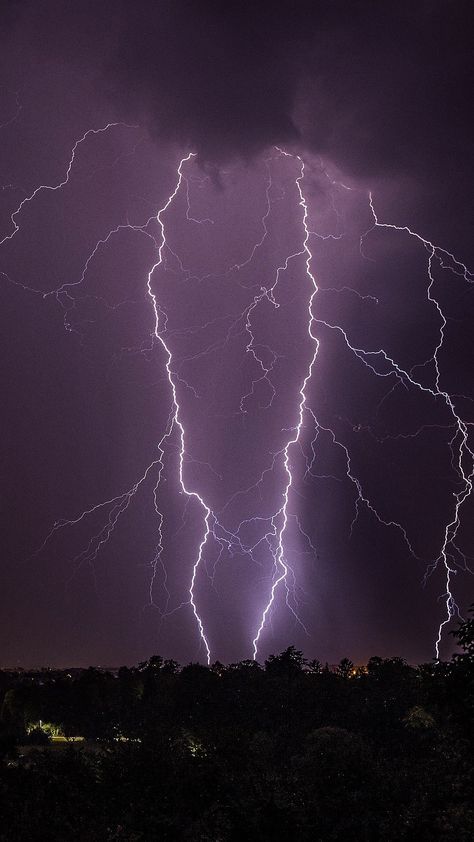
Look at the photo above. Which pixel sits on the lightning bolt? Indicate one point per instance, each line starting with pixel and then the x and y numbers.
pixel 281 565
pixel 54 187
pixel 273 528
pixel 176 413
pixel 117 505
pixel 383 365
pixel 464 455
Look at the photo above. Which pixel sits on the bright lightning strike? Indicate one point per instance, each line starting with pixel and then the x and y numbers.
pixel 281 566
pixel 176 418
pixel 273 527
pixel 465 456
pixel 462 454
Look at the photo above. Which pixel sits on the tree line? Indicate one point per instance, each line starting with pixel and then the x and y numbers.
pixel 290 750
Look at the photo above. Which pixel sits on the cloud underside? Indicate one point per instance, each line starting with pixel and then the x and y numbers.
pixel 379 87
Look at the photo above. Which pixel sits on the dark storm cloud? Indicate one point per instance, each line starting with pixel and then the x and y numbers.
pixel 380 87
pixel 377 86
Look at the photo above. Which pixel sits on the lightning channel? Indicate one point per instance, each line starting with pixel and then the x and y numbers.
pixel 280 520
pixel 464 457
pixel 176 412
pixel 273 527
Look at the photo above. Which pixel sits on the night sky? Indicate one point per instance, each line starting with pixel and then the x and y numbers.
pixel 314 137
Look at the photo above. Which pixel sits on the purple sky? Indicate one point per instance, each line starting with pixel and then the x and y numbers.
pixel 373 99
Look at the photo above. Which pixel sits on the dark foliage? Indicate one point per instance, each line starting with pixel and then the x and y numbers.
pixel 291 750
